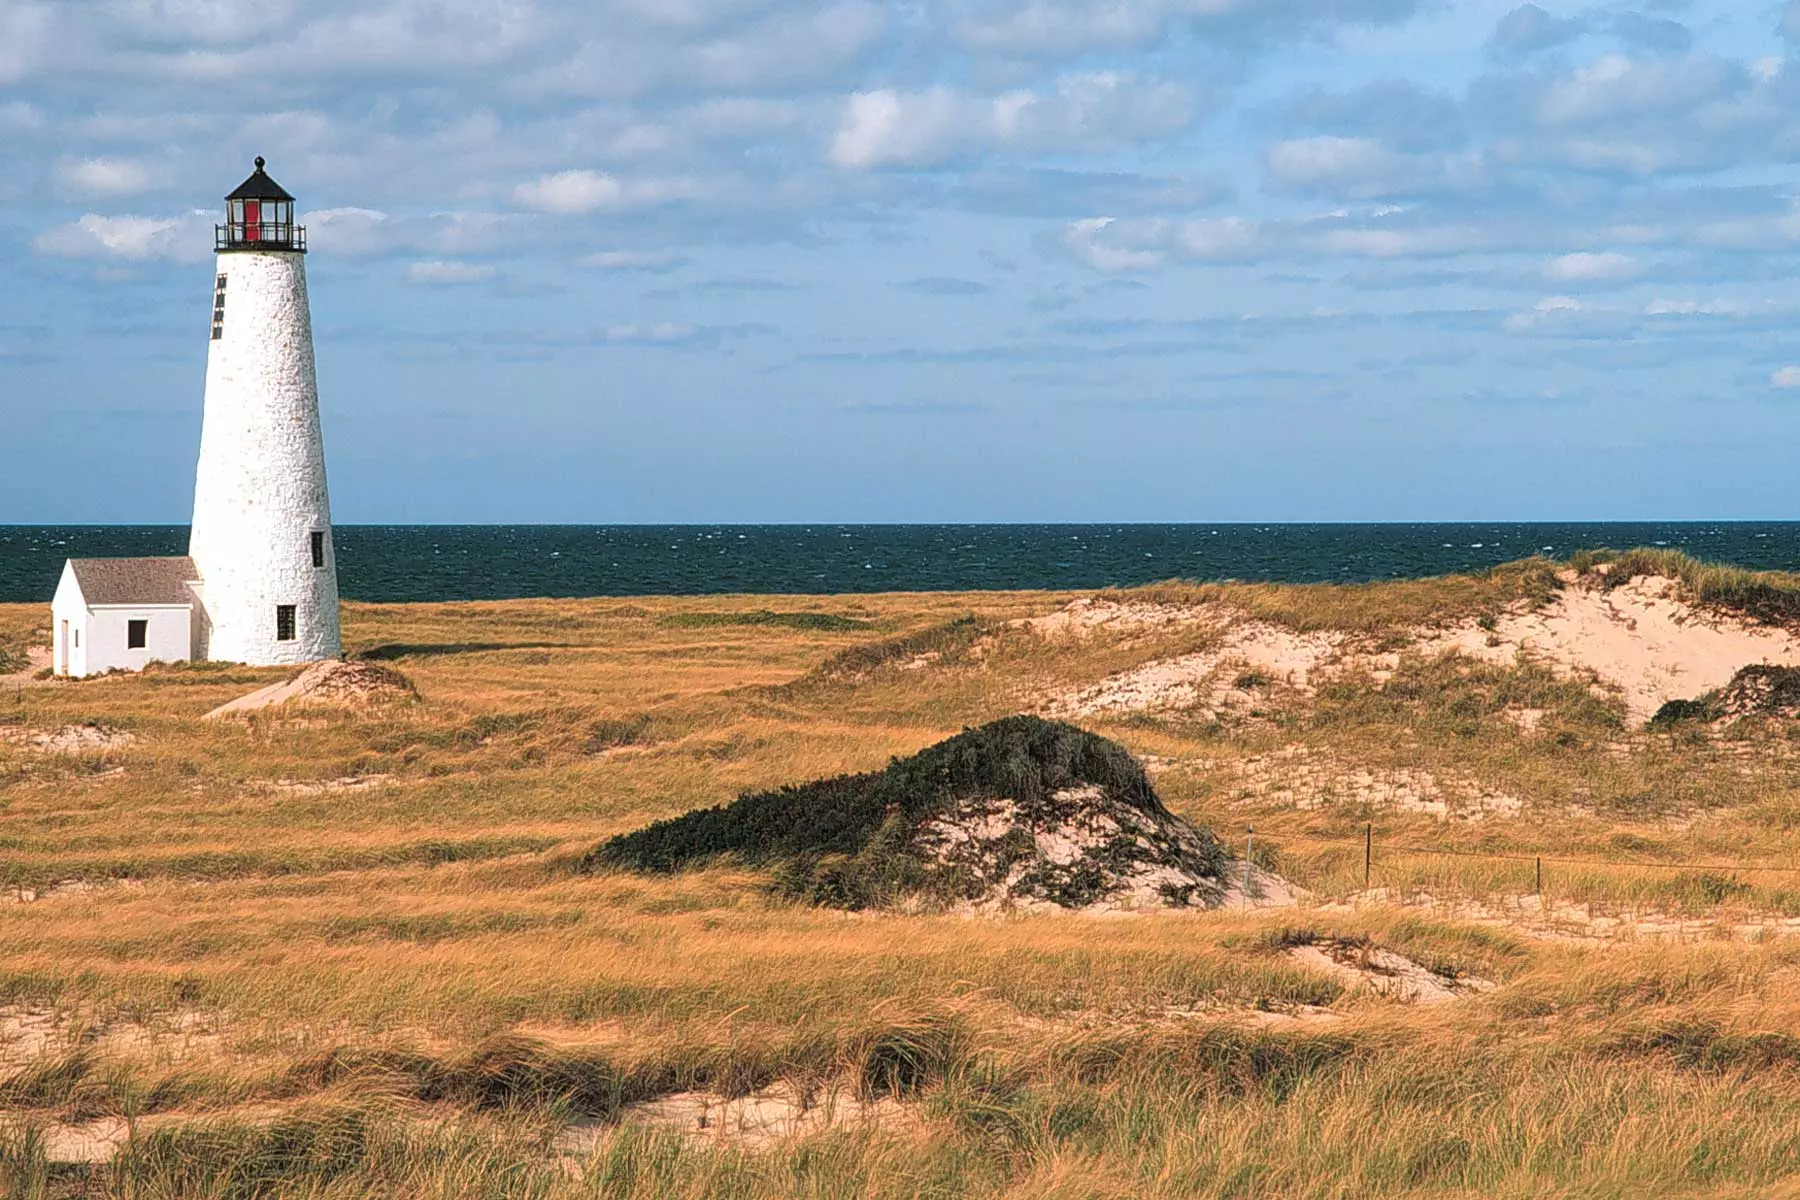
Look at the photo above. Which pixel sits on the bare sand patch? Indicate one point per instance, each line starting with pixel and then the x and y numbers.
pixel 1359 965
pixel 37 658
pixel 1639 638
pixel 320 787
pixel 1546 918
pixel 330 682
pixel 28 1033
pixel 1103 614
pixel 85 738
pixel 1250 655
pixel 757 1121
pixel 1304 778
pixel 1086 852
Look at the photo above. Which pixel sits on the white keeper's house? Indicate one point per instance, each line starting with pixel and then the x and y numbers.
pixel 259 582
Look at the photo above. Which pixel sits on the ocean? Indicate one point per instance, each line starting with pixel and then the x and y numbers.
pixel 494 562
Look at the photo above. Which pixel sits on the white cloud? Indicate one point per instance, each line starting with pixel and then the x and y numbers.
pixel 1549 309
pixel 105 177
pixel 1615 86
pixel 1054 28
pixel 1414 241
pixel 1696 308
pixel 24 32
pixel 1785 377
pixel 660 334
pixel 347 231
pixel 633 260
pixel 572 193
pixel 1080 112
pixel 1111 245
pixel 1087 240
pixel 443 272
pixel 1585 266
pixel 186 238
pixel 1329 159
pixel 20 116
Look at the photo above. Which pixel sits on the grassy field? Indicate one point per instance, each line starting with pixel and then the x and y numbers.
pixel 335 954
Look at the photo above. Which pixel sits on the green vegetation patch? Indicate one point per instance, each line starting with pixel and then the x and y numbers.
pixel 952 822
pixel 935 643
pixel 1758 690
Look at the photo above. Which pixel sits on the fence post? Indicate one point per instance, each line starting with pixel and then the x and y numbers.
pixel 1249 852
pixel 1368 852
pixel 1540 880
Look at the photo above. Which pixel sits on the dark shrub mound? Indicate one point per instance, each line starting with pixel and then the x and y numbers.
pixel 1021 811
pixel 1755 691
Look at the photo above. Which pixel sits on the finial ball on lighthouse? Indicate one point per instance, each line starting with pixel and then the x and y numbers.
pixel 261 538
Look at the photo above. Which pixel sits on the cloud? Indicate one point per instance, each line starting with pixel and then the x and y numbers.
pixel 131 238
pixel 634 260
pixel 1361 168
pixel 939 285
pixel 1081 112
pixel 644 50
pixel 443 272
pixel 1528 29
pixel 1059 28
pixel 348 231
pixel 1785 377
pixel 1550 310
pixel 574 193
pixel 664 333
pixel 1398 113
pixel 1112 244
pixel 1585 266
pixel 105 177
pixel 1658 35
pixel 1058 192
pixel 24 34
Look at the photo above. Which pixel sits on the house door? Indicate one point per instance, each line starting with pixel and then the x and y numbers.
pixel 62 651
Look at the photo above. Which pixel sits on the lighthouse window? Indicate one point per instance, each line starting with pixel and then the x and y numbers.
pixel 318 548
pixel 284 622
pixel 136 633
pixel 218 322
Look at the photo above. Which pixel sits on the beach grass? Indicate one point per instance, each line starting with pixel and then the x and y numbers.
pixel 336 953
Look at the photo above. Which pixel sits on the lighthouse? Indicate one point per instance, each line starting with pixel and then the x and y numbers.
pixel 261 537
pixel 258 584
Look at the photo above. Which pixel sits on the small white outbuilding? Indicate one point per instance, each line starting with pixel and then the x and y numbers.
pixel 123 613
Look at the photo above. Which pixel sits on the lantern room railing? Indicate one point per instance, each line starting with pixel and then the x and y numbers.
pixel 259 235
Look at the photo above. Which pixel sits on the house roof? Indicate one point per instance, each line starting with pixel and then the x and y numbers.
pixel 135 580
pixel 259 186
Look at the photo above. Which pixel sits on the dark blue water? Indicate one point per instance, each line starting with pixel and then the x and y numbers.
pixel 493 562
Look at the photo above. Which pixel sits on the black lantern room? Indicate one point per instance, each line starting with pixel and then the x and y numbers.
pixel 259 215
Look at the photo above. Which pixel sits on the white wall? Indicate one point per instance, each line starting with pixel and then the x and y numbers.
pixel 167 639
pixel 68 616
pixel 260 490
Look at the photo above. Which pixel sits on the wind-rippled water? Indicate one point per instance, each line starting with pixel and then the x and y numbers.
pixel 492 562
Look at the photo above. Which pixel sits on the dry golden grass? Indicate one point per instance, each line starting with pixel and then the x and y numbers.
pixel 409 990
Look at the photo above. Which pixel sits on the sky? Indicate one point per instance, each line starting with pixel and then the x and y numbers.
pixel 983 260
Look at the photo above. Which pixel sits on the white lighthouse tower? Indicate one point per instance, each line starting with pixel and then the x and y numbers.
pixel 261 538
pixel 259 582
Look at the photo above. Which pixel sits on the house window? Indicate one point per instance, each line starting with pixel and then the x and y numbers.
pixel 318 548
pixel 78 639
pixel 137 633
pixel 284 622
